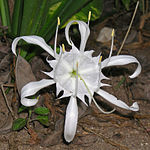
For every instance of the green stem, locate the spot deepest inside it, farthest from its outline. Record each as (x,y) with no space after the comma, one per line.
(29,118)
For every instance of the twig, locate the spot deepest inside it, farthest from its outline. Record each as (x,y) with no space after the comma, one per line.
(128,28)
(147,5)
(106,139)
(6,100)
(143,8)
(141,125)
(8,85)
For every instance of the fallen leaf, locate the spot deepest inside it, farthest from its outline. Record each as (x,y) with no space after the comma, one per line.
(7,125)
(5,68)
(23,73)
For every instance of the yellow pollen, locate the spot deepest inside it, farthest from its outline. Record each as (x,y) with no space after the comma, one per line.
(100,59)
(63,47)
(58,21)
(113,32)
(89,17)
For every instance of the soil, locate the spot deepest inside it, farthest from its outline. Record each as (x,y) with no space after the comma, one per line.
(122,129)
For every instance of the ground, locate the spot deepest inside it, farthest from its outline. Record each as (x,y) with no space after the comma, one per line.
(122,129)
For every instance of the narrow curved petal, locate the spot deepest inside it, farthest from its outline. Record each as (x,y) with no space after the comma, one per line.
(112,99)
(28,102)
(71,120)
(84,32)
(104,77)
(104,84)
(33,87)
(122,60)
(33,40)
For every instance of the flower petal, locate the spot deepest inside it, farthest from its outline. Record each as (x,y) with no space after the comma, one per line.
(122,60)
(104,77)
(89,53)
(28,102)
(33,40)
(59,88)
(71,120)
(84,32)
(50,74)
(31,88)
(112,99)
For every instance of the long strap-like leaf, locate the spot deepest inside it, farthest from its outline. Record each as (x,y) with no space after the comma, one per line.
(5,16)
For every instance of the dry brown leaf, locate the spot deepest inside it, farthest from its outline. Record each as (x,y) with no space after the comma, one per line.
(23,73)
(5,68)
(7,125)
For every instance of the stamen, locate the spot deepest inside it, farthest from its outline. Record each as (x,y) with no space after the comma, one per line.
(99,64)
(89,17)
(112,42)
(113,32)
(76,84)
(55,43)
(58,21)
(63,47)
(57,66)
(100,60)
(112,45)
(105,112)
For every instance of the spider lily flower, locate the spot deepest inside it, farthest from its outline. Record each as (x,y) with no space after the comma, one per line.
(77,74)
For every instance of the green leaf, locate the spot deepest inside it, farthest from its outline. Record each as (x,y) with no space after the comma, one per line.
(17,17)
(95,7)
(37,17)
(65,10)
(5,16)
(40,17)
(126,3)
(19,124)
(43,120)
(30,13)
(23,53)
(22,108)
(34,15)
(41,111)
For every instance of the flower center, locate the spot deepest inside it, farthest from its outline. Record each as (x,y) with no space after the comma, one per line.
(73,73)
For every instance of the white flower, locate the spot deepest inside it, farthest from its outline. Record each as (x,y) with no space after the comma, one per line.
(77,74)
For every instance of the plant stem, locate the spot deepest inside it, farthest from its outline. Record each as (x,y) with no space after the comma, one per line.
(30,113)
